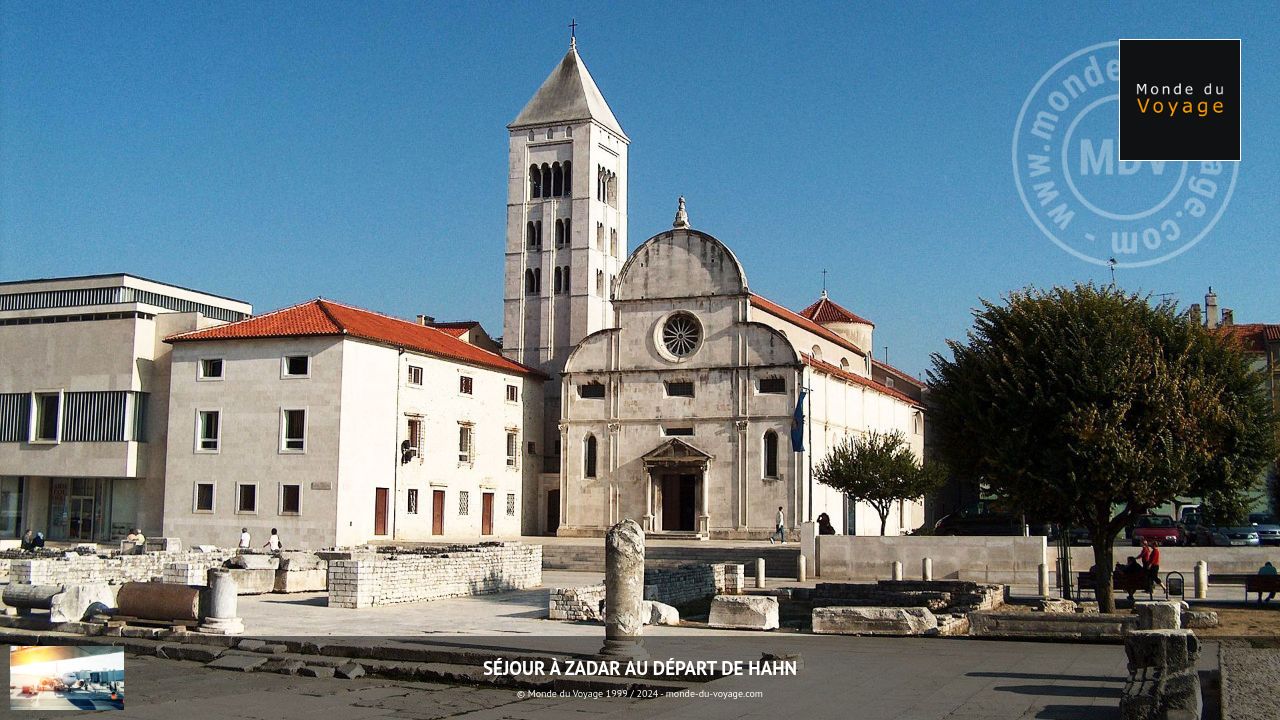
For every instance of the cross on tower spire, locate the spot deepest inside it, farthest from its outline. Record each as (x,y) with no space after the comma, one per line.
(573,33)
(824,282)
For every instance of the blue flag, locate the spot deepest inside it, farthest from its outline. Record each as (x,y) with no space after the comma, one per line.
(797,424)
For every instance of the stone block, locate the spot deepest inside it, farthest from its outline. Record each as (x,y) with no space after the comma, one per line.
(1169,650)
(1158,615)
(744,612)
(255,581)
(316,671)
(296,580)
(657,613)
(349,671)
(255,562)
(282,666)
(1199,619)
(1054,606)
(874,621)
(237,662)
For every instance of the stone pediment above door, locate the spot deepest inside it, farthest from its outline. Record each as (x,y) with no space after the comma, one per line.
(676,452)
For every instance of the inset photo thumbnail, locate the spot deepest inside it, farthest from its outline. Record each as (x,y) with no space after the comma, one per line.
(66,677)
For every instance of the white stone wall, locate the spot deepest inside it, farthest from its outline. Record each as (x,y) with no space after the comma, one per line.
(387,580)
(82,569)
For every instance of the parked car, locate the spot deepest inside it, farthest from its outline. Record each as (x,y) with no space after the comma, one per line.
(1190,522)
(1078,535)
(1207,534)
(1160,529)
(984,518)
(1268,527)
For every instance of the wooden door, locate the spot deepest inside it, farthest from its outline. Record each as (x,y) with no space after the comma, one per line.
(437,512)
(553,511)
(486,514)
(380,496)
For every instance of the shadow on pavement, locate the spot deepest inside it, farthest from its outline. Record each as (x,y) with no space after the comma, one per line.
(1078,712)
(1045,676)
(1062,690)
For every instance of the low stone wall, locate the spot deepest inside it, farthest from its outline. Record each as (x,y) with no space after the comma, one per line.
(85,569)
(936,595)
(581,603)
(1005,560)
(1105,627)
(385,579)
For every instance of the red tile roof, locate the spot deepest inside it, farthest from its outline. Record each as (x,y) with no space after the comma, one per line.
(825,311)
(1253,336)
(456,329)
(901,374)
(790,316)
(826,367)
(326,317)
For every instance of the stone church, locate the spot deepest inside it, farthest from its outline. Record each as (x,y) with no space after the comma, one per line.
(680,398)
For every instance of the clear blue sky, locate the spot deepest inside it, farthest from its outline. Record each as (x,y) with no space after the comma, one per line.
(276,152)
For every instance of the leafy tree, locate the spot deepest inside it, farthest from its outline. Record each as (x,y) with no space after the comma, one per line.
(878,469)
(1089,406)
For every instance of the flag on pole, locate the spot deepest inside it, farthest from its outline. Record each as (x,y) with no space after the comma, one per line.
(797,424)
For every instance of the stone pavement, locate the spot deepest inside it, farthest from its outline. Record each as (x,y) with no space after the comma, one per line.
(862,678)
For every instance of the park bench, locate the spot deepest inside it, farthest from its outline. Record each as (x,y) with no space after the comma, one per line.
(1261,584)
(1120,582)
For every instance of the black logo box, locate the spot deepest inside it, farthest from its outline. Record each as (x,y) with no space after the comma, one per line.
(1187,68)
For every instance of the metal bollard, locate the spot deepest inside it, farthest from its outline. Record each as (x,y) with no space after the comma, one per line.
(1043,578)
(897,570)
(926,569)
(801,575)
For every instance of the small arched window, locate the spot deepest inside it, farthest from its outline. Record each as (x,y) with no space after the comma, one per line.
(532,233)
(568,238)
(589,457)
(568,177)
(557,180)
(557,281)
(566,279)
(613,242)
(528,282)
(546,180)
(535,182)
(537,226)
(844,363)
(537,281)
(770,454)
(600,283)
(817,352)
(559,233)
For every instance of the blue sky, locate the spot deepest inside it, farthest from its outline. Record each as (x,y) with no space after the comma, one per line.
(276,152)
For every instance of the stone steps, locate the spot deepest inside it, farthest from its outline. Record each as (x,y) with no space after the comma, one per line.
(780,562)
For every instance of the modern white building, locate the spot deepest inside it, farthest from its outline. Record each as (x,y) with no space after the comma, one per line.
(84,400)
(337,426)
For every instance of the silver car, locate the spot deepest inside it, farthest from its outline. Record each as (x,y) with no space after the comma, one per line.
(1238,536)
(1267,527)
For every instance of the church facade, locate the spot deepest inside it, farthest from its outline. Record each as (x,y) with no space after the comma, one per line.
(679,397)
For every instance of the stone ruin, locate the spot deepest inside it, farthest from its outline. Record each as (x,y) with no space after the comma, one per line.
(897,607)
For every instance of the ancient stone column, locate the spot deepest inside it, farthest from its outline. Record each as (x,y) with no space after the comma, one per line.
(801,575)
(221,618)
(897,570)
(759,572)
(1202,580)
(1042,580)
(926,569)
(624,591)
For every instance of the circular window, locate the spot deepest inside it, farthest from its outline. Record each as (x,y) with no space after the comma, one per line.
(681,334)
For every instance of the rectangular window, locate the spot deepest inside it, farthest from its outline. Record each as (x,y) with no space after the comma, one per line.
(290,499)
(464,502)
(412,447)
(296,366)
(47,411)
(465,443)
(465,384)
(679,388)
(533,448)
(210,369)
(773,385)
(246,497)
(208,430)
(513,393)
(511,504)
(293,431)
(677,431)
(591,390)
(513,448)
(412,507)
(204,498)
(415,375)
(888,382)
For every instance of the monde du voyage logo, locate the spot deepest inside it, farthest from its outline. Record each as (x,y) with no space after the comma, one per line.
(1107,198)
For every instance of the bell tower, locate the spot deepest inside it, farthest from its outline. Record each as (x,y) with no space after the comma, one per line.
(566,224)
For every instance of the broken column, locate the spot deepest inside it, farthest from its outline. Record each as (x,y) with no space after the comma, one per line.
(222,599)
(624,591)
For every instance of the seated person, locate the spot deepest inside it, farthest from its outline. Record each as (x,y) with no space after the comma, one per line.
(28,541)
(1267,570)
(1131,570)
(39,540)
(824,525)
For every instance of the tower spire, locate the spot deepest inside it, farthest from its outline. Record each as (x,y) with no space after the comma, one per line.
(573,33)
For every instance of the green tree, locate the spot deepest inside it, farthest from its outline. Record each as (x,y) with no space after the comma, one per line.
(1089,406)
(878,469)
